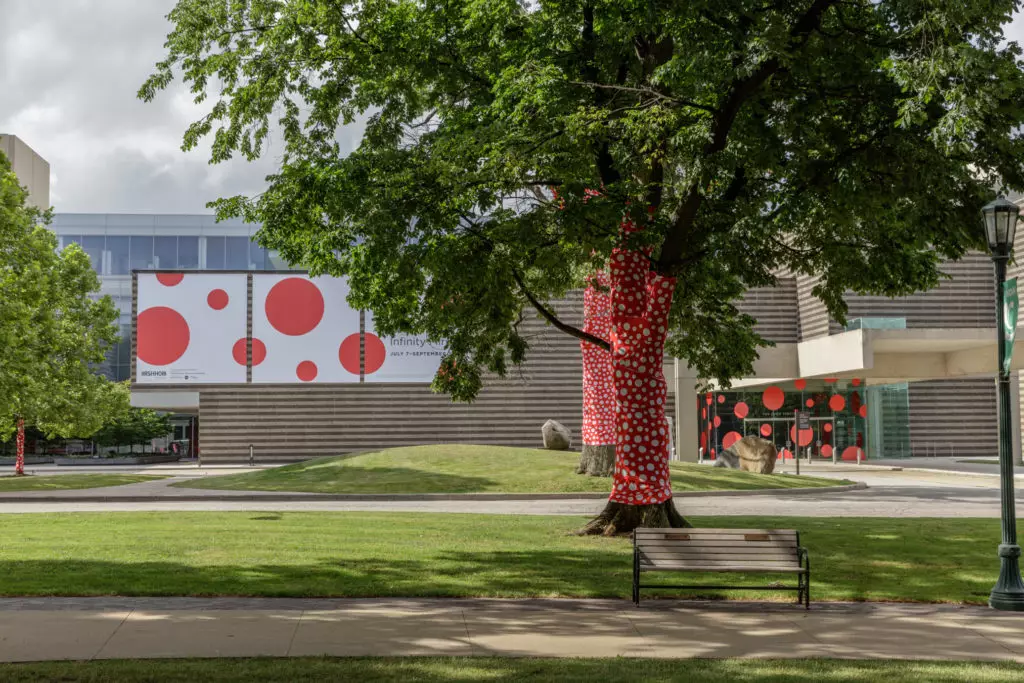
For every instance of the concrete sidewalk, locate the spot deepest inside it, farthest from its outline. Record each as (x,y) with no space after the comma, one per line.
(105,628)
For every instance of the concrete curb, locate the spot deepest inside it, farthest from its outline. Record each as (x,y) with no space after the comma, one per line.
(395,497)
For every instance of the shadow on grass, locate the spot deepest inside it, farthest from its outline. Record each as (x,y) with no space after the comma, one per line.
(356,480)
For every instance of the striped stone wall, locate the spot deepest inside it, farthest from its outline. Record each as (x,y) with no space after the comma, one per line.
(954,417)
(776,311)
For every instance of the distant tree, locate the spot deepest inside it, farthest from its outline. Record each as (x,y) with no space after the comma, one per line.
(697,148)
(137,426)
(54,332)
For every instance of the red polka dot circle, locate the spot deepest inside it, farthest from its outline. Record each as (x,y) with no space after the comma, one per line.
(170,279)
(217,299)
(836,403)
(741,410)
(766,430)
(773,398)
(800,384)
(162,335)
(294,306)
(306,371)
(730,438)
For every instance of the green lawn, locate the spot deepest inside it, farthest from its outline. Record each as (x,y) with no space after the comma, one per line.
(505,670)
(474,469)
(416,554)
(60,482)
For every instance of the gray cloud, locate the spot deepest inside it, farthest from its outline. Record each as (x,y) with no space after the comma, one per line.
(69,70)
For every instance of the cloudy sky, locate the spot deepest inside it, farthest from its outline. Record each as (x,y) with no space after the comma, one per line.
(69,70)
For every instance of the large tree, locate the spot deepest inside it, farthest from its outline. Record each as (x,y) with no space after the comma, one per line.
(512,148)
(136,426)
(54,331)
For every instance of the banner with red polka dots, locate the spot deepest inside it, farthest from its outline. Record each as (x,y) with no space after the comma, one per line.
(187,328)
(304,328)
(401,358)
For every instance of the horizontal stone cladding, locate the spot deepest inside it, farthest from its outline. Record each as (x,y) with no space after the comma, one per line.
(296,422)
(775,309)
(954,417)
(812,316)
(966,300)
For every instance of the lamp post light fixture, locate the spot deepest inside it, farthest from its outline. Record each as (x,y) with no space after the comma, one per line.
(1000,218)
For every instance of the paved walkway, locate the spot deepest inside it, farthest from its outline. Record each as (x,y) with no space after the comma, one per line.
(105,628)
(891,493)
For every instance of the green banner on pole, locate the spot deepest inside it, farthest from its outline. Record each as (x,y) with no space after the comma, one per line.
(1010,306)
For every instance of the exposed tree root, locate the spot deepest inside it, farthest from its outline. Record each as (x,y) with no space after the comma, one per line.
(597,461)
(618,519)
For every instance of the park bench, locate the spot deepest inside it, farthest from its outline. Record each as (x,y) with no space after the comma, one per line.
(763,551)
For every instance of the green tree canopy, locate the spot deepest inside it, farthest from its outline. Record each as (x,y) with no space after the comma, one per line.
(136,426)
(853,140)
(53,331)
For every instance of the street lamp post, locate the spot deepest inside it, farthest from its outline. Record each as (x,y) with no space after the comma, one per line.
(1008,594)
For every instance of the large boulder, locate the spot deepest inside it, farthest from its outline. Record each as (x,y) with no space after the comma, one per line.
(557,436)
(750,454)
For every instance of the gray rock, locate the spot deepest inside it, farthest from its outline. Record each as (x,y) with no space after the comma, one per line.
(750,454)
(557,436)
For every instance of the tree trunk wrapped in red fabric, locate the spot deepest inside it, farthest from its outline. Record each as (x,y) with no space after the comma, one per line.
(599,403)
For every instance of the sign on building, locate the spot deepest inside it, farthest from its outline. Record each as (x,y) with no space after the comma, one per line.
(192,328)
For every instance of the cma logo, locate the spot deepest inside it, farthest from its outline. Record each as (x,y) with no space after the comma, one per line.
(154,373)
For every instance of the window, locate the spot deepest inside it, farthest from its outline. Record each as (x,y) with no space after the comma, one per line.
(215,253)
(188,252)
(237,253)
(141,252)
(274,261)
(165,252)
(118,248)
(257,256)
(93,246)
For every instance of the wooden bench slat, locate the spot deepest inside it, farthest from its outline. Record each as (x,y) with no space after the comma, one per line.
(770,569)
(645,531)
(777,557)
(751,547)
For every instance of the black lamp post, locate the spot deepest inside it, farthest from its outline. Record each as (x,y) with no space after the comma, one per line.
(1000,227)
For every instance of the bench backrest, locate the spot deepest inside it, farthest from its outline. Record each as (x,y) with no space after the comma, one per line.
(712,549)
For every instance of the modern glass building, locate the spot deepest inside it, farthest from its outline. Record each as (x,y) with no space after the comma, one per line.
(117,244)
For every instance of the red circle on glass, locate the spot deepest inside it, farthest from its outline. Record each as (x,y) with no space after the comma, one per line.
(826,451)
(827,427)
(806,436)
(708,399)
(863,411)
(306,371)
(740,410)
(850,453)
(809,403)
(217,299)
(169,279)
(294,306)
(374,352)
(348,353)
(766,430)
(855,381)
(721,398)
(836,403)
(773,398)
(730,438)
(717,421)
(162,335)
(800,384)
(831,380)
(784,454)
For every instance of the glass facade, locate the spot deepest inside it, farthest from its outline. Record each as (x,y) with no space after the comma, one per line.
(119,243)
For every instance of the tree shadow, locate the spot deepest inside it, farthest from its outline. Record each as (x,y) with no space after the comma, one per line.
(368,480)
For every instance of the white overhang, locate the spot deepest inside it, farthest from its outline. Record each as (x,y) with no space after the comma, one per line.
(884,356)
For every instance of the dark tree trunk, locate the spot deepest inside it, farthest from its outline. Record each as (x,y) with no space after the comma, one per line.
(597,461)
(620,519)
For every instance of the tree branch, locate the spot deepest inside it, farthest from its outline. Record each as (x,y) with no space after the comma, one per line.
(741,90)
(548,315)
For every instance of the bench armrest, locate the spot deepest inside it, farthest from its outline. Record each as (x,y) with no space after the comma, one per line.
(805,557)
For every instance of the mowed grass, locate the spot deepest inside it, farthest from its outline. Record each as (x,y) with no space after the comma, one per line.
(460,555)
(458,468)
(502,670)
(59,482)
